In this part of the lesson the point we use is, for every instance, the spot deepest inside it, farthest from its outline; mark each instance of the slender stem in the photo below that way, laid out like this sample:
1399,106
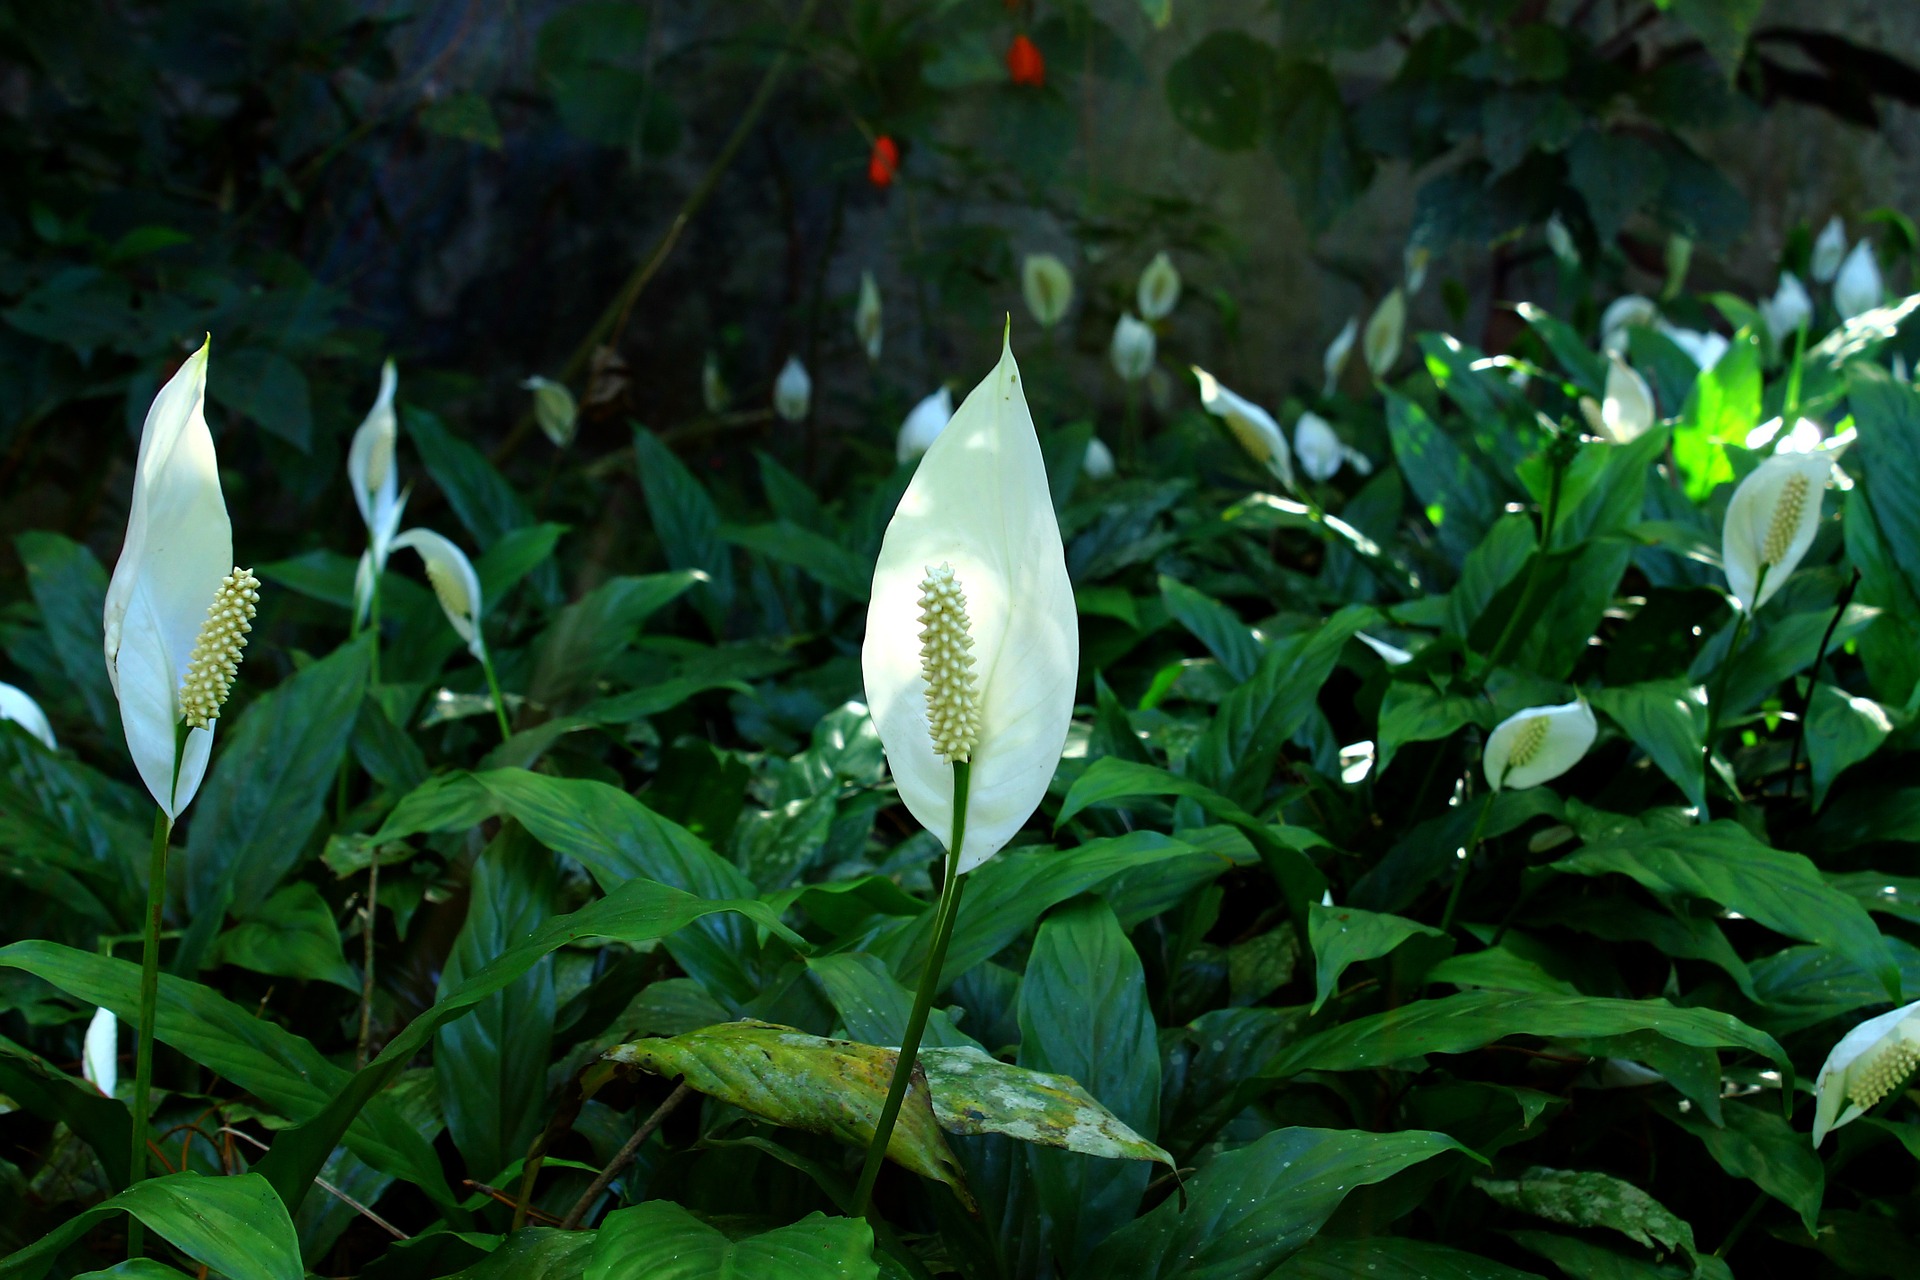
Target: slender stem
1745,1220
499,702
366,963
1813,678
944,917
621,1158
1466,859
1719,692
1524,607
373,625
149,1014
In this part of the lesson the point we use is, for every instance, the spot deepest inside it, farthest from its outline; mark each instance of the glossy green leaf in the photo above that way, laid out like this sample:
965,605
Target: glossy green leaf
1756,1143
661,1241
1214,625
1391,1258
1588,1199
40,1088
291,935
687,523
1842,730
820,557
586,636
234,1225
1342,936
70,588
1662,717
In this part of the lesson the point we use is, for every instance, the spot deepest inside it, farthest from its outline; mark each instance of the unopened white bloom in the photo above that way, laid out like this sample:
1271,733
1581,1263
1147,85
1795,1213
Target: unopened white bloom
1621,315
1362,465
18,706
100,1052
1392,655
1132,348
1870,1062
1829,248
1627,412
1414,263
1703,346
1098,463
454,583
1771,521
174,575
1159,288
1385,328
713,388
1788,310
554,409
1048,287
1251,425
866,316
792,390
1318,448
923,425
1858,288
1538,745
1560,241
371,472
975,533
1337,352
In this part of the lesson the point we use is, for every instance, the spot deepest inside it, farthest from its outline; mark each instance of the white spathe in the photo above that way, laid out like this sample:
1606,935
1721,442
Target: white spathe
1703,346
1788,310
1317,446
1159,289
1048,287
1622,314
1251,425
1538,745
1414,261
1627,411
100,1052
923,425
1338,351
1858,288
1385,329
1870,1062
792,390
979,503
18,706
179,549
371,471
866,316
1560,241
454,582
1829,249
1132,349
1771,521
554,409
1098,463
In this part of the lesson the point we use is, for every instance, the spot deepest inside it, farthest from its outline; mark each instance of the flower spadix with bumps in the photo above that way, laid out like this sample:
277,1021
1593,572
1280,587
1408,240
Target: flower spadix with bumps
972,648
177,610
1771,521
1870,1062
1538,744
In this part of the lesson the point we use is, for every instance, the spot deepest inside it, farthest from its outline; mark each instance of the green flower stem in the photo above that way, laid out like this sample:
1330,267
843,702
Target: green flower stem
149,1013
1466,859
1719,691
1525,606
499,702
943,919
1813,680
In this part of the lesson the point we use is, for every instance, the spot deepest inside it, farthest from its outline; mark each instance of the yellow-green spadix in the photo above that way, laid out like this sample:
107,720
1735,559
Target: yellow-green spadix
1870,1062
973,647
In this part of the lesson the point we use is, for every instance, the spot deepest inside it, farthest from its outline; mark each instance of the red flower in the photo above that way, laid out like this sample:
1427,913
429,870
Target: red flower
884,163
1024,63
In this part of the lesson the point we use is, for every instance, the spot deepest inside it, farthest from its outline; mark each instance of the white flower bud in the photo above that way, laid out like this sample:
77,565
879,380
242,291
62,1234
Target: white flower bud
866,316
1048,287
1159,288
1317,447
1132,348
792,390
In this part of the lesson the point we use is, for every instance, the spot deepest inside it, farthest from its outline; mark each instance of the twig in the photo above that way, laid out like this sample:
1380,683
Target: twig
366,964
623,1157
1813,679
331,1190
498,1196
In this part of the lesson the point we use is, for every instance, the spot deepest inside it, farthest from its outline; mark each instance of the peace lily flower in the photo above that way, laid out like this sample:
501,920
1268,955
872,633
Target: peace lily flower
792,390
100,1052
1858,288
1703,346
1538,745
457,587
713,388
554,409
1098,464
1338,350
1381,343
923,425
1159,288
972,646
18,706
1622,314
1318,448
1627,412
1132,348
1771,521
177,610
1251,425
1560,242
1788,310
1415,260
1048,287
1829,248
371,472
1870,1062
866,316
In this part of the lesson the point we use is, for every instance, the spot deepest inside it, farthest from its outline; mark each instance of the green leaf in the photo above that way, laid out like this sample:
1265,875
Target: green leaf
1342,936
1218,90
514,555
976,1094
586,636
492,1064
1722,25
464,117
1390,1258
70,588
42,1090
291,935
822,558
1453,488
1587,369
1721,861
234,1225
874,1008
1662,719
1508,547
1473,1019
1842,730
267,387
1084,1014
1214,625
488,506
1312,138
1723,406
1587,1199
1587,1259
1758,1144
531,1253
272,775
687,522
1414,711
661,1241
1251,1209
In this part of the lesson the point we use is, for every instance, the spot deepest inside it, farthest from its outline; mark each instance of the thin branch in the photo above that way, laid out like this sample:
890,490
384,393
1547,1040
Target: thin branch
622,1158
331,1190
